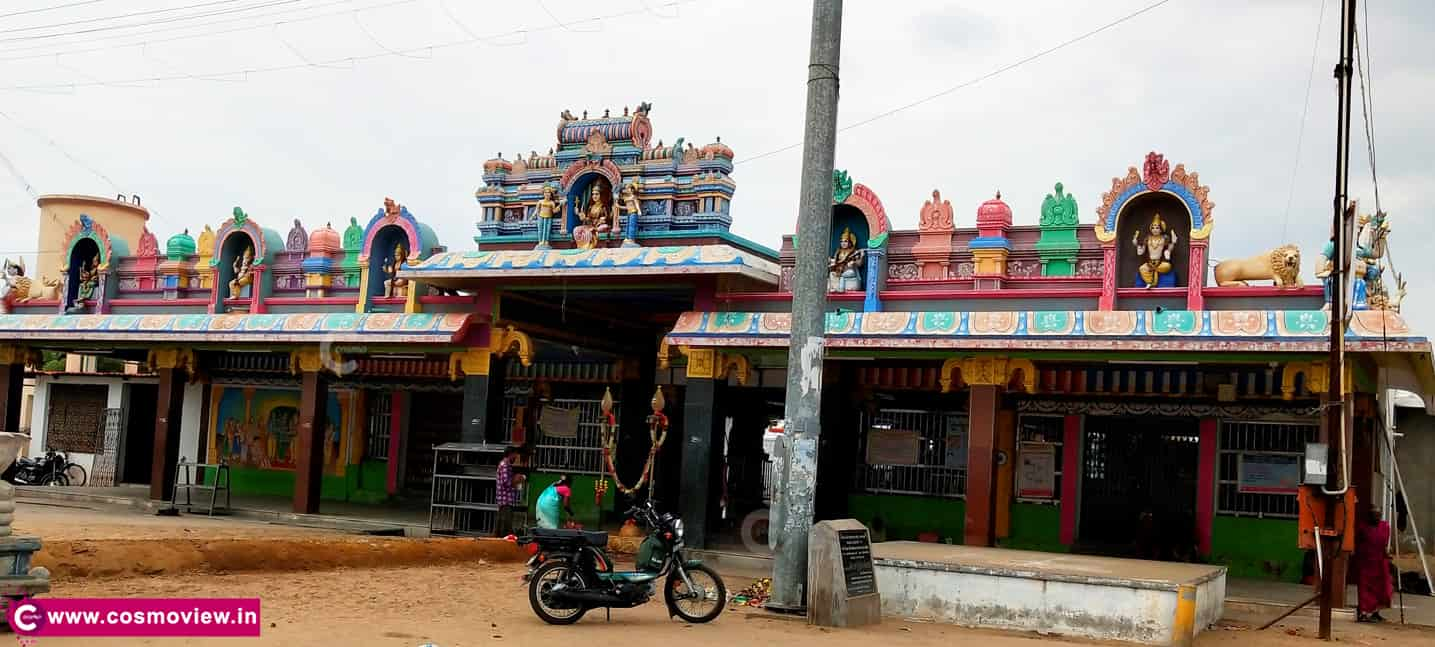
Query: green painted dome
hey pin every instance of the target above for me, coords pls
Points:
(179, 246)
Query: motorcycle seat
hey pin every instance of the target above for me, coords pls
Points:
(593, 538)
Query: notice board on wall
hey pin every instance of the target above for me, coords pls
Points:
(1036, 471)
(893, 447)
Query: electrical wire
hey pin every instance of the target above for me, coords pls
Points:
(966, 84)
(142, 34)
(522, 32)
(173, 19)
(1300, 133)
(36, 10)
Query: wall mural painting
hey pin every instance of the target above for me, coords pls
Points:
(258, 428)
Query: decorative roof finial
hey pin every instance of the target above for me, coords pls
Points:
(625, 111)
(585, 114)
(999, 194)
(605, 113)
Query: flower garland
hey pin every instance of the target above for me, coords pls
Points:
(657, 434)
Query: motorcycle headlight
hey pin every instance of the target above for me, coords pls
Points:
(678, 528)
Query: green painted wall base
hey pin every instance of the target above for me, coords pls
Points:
(1035, 527)
(585, 510)
(1257, 548)
(905, 517)
(363, 483)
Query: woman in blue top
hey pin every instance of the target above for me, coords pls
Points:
(553, 502)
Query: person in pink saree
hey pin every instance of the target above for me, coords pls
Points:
(1372, 564)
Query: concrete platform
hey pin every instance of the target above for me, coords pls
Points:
(1153, 603)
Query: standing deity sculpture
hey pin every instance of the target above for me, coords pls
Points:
(845, 266)
(1155, 251)
(393, 285)
(243, 273)
(548, 207)
(631, 208)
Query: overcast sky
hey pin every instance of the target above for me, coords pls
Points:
(1219, 85)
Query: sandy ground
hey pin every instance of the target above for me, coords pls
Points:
(102, 541)
(325, 588)
(487, 605)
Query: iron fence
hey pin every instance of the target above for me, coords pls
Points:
(1277, 446)
(582, 454)
(940, 466)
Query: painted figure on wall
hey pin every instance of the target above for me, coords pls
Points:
(548, 207)
(1155, 252)
(257, 428)
(393, 285)
(845, 266)
(243, 273)
(89, 279)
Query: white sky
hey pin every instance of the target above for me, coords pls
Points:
(1216, 84)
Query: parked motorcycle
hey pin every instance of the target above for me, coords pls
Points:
(576, 574)
(54, 468)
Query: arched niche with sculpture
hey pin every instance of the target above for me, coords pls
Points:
(89, 250)
(392, 239)
(857, 250)
(591, 191)
(242, 250)
(1154, 225)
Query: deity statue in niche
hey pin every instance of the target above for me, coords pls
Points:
(549, 206)
(1155, 250)
(595, 215)
(393, 285)
(89, 279)
(243, 273)
(845, 267)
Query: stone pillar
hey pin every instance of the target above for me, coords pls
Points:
(980, 527)
(168, 415)
(309, 455)
(475, 408)
(876, 278)
(1071, 471)
(493, 431)
(696, 440)
(12, 384)
(1005, 471)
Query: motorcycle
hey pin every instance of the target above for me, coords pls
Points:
(52, 469)
(576, 574)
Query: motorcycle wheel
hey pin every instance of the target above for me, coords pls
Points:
(686, 604)
(75, 475)
(543, 580)
(53, 478)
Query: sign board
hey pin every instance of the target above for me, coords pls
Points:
(857, 570)
(956, 445)
(559, 423)
(1268, 474)
(1036, 471)
(841, 575)
(893, 447)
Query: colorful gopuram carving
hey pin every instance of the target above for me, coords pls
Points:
(605, 185)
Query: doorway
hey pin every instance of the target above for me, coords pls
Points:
(137, 455)
(1138, 487)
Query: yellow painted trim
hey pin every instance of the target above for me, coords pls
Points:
(733, 364)
(510, 339)
(363, 305)
(988, 371)
(411, 304)
(474, 361)
(1183, 626)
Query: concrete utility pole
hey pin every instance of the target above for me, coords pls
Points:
(809, 319)
(1335, 428)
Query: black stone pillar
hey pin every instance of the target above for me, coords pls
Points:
(493, 430)
(475, 409)
(696, 441)
(309, 456)
(12, 398)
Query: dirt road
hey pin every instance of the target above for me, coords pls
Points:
(465, 602)
(486, 605)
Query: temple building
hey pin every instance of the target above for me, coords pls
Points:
(1070, 385)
